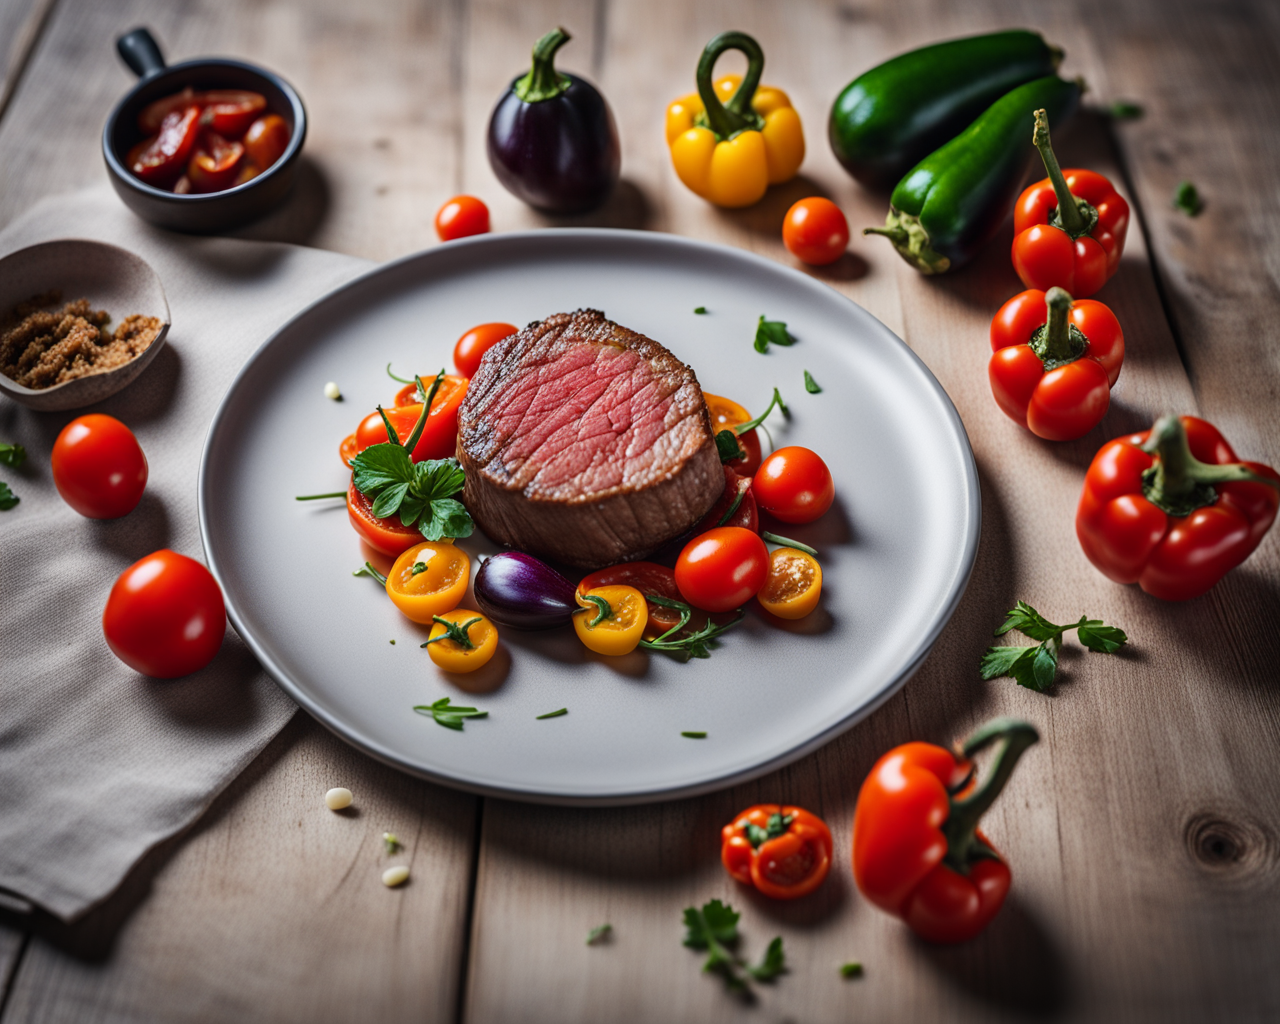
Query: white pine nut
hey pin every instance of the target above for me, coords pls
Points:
(395, 876)
(337, 799)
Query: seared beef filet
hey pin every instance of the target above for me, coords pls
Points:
(586, 443)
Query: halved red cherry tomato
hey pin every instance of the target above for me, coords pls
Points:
(266, 140)
(214, 164)
(165, 616)
(726, 413)
(98, 467)
(794, 485)
(439, 438)
(164, 157)
(389, 535)
(815, 231)
(785, 852)
(744, 515)
(229, 112)
(722, 569)
(476, 342)
(153, 114)
(462, 216)
(646, 577)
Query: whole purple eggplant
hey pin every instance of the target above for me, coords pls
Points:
(552, 140)
(515, 589)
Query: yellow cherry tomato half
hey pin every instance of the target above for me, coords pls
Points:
(429, 579)
(462, 640)
(794, 584)
(611, 619)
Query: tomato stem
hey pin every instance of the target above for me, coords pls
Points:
(603, 609)
(1074, 216)
(1015, 738)
(737, 116)
(1179, 483)
(542, 81)
(455, 631)
(1059, 341)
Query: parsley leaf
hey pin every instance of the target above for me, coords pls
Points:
(811, 385)
(700, 310)
(1186, 197)
(771, 332)
(714, 928)
(1125, 110)
(599, 934)
(420, 493)
(447, 714)
(7, 498)
(1035, 667)
(12, 455)
(728, 446)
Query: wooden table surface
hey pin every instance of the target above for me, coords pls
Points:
(1144, 831)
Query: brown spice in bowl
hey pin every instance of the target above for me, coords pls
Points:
(41, 346)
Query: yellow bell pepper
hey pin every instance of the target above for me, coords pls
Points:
(732, 139)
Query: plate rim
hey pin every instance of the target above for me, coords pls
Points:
(624, 236)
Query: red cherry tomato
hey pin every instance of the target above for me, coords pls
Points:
(476, 342)
(815, 231)
(165, 616)
(98, 467)
(266, 140)
(460, 217)
(722, 569)
(215, 164)
(439, 438)
(229, 112)
(794, 485)
(160, 160)
(389, 535)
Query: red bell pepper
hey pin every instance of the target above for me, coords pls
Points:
(917, 850)
(1173, 509)
(1069, 228)
(1054, 362)
(784, 852)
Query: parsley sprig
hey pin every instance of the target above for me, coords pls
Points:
(771, 332)
(714, 928)
(12, 455)
(1035, 667)
(7, 498)
(449, 715)
(695, 644)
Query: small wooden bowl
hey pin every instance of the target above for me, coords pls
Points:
(110, 278)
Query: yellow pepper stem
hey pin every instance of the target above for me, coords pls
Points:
(728, 120)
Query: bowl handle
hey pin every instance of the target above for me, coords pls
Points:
(141, 52)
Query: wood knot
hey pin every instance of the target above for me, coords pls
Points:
(1235, 847)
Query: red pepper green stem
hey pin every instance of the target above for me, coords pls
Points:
(543, 81)
(728, 120)
(1179, 483)
(1059, 341)
(1015, 738)
(1075, 216)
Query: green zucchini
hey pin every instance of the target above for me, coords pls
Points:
(955, 200)
(889, 118)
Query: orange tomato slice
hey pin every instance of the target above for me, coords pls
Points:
(428, 579)
(452, 656)
(794, 584)
(725, 414)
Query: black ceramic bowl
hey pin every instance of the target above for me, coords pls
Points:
(213, 211)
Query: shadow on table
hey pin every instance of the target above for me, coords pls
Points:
(1014, 965)
(301, 215)
(627, 207)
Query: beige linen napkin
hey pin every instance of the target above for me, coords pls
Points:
(98, 763)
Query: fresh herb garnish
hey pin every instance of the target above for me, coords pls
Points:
(771, 332)
(1125, 110)
(421, 493)
(390, 842)
(737, 502)
(787, 542)
(700, 310)
(12, 455)
(603, 609)
(455, 631)
(368, 569)
(317, 497)
(7, 498)
(448, 715)
(728, 446)
(714, 928)
(852, 969)
(742, 428)
(1186, 197)
(811, 385)
(694, 735)
(777, 825)
(554, 714)
(695, 644)
(1035, 667)
(599, 933)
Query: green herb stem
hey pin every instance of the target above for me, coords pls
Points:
(787, 542)
(318, 497)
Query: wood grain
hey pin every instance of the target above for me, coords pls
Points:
(21, 23)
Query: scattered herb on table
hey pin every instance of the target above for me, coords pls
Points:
(391, 842)
(447, 714)
(12, 455)
(1126, 110)
(393, 643)
(555, 714)
(714, 928)
(811, 385)
(7, 498)
(771, 332)
(369, 569)
(599, 934)
(694, 735)
(1186, 197)
(853, 969)
(1035, 667)
(700, 310)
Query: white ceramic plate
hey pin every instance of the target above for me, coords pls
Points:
(896, 550)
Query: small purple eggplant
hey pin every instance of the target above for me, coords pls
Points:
(518, 590)
(552, 139)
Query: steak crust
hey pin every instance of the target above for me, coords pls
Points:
(586, 443)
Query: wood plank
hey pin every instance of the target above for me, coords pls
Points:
(272, 908)
(21, 23)
(1125, 904)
